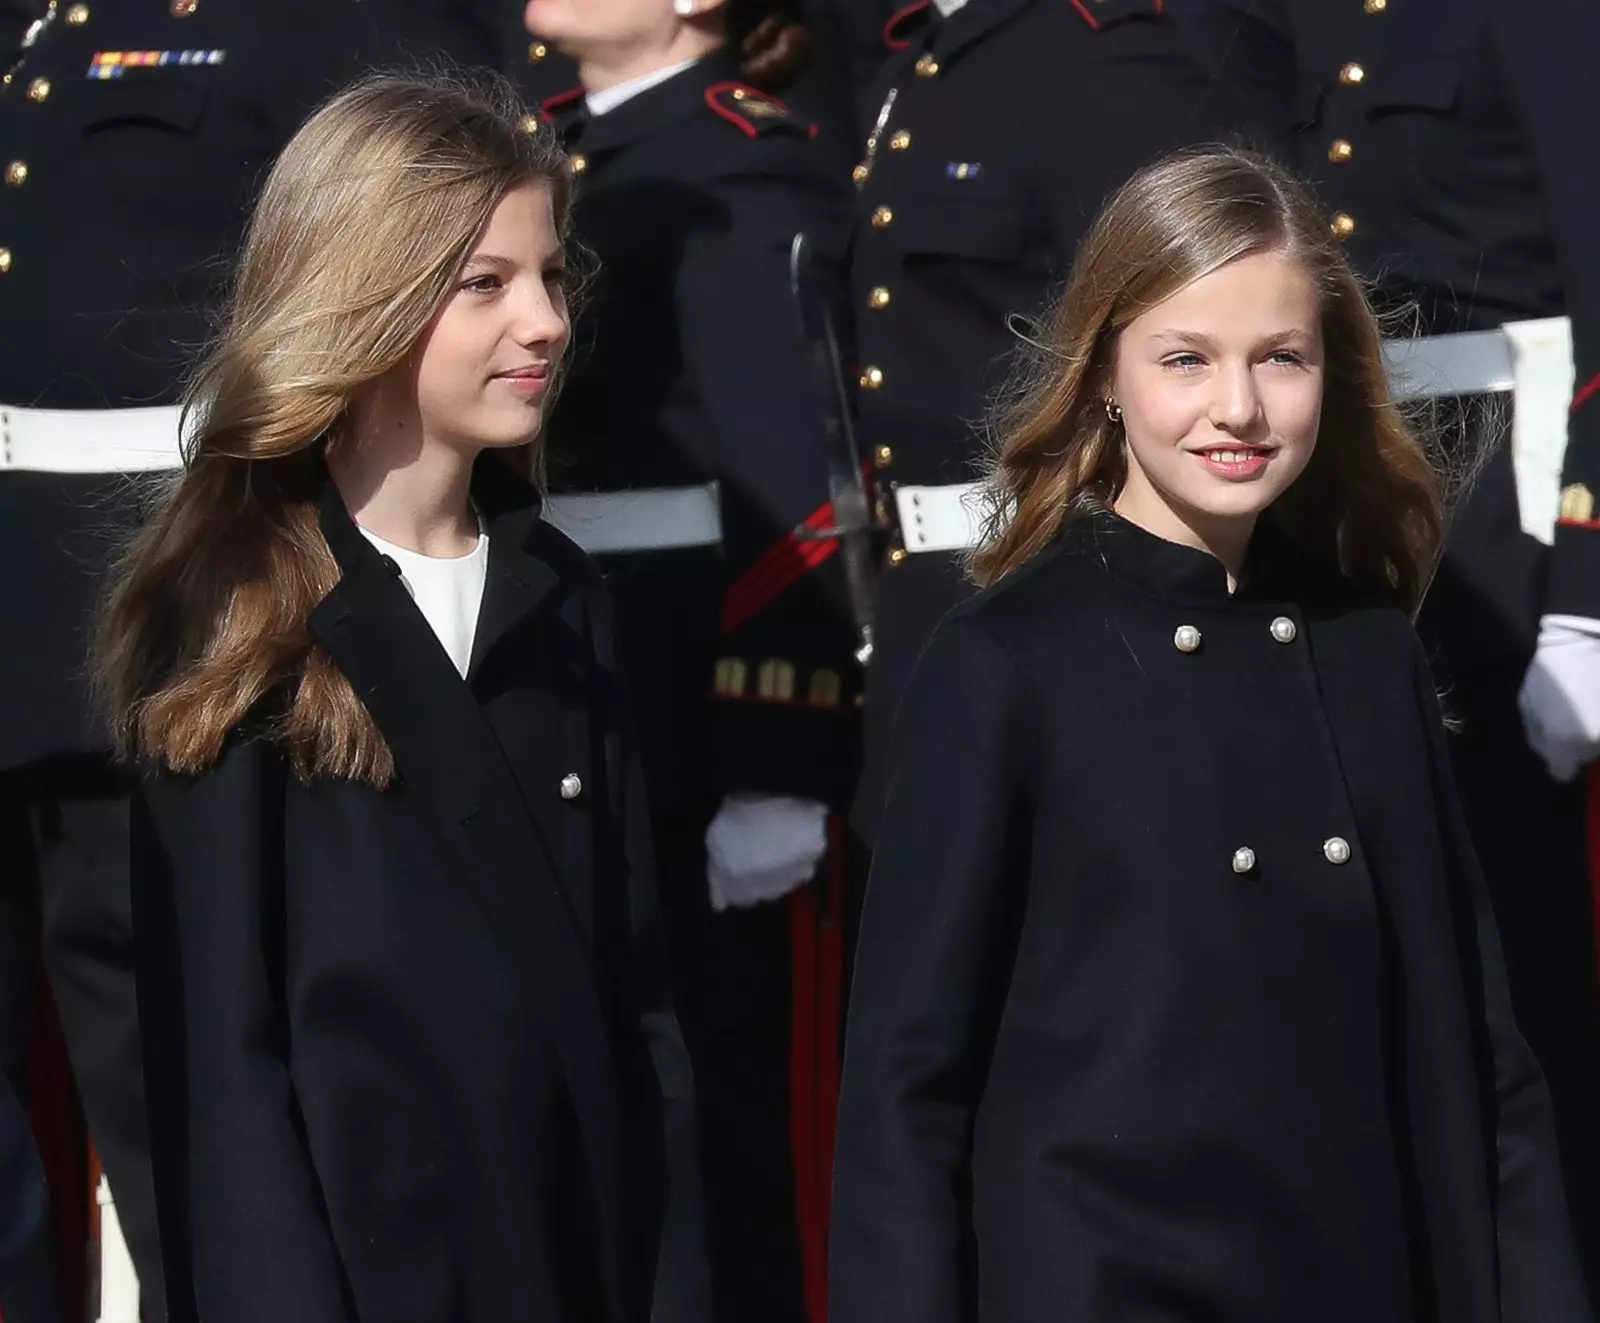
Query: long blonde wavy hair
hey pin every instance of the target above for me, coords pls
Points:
(360, 229)
(1368, 500)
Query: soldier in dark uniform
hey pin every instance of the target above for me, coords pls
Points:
(999, 127)
(1449, 141)
(134, 135)
(690, 393)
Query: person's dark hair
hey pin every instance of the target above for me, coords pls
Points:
(771, 41)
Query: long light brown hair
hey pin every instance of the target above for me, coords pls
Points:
(353, 246)
(1368, 500)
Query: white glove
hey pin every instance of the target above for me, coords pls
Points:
(759, 848)
(1560, 698)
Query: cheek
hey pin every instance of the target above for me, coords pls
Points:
(1158, 410)
(1294, 411)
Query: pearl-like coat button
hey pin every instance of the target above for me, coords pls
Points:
(571, 786)
(1337, 850)
(1187, 639)
(1244, 859)
(1283, 629)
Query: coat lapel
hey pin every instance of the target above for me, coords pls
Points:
(449, 758)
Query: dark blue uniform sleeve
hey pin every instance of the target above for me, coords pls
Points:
(783, 722)
(245, 1235)
(1550, 50)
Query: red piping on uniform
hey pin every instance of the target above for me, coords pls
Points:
(803, 1096)
(733, 116)
(1590, 389)
(1593, 785)
(1087, 17)
(551, 104)
(893, 42)
(782, 566)
(1578, 523)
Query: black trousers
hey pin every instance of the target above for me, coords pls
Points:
(732, 981)
(64, 863)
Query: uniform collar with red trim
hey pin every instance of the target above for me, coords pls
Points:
(654, 110)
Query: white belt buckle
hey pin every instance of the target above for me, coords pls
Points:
(944, 518)
(91, 440)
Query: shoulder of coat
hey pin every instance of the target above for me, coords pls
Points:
(1102, 14)
(753, 112)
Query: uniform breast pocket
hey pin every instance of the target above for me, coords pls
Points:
(972, 229)
(145, 104)
(1420, 86)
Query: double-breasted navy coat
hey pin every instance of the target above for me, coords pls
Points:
(410, 1052)
(1178, 995)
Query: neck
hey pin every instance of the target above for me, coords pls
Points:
(604, 68)
(1226, 537)
(408, 490)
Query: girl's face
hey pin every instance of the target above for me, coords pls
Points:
(488, 361)
(1220, 388)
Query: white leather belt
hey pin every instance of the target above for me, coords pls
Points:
(643, 519)
(90, 440)
(939, 518)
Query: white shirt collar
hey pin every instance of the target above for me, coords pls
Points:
(948, 7)
(611, 97)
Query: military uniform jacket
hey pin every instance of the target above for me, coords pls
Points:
(1178, 993)
(688, 367)
(1449, 140)
(1009, 124)
(410, 1054)
(135, 133)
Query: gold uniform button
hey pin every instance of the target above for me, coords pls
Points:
(898, 557)
(183, 8)
(871, 378)
(77, 16)
(1343, 225)
(883, 457)
(5, 260)
(1341, 150)
(580, 163)
(878, 300)
(927, 67)
(860, 173)
(1376, 6)
(1187, 639)
(900, 141)
(1336, 850)
(39, 91)
(17, 174)
(1352, 74)
(530, 124)
(882, 218)
(537, 52)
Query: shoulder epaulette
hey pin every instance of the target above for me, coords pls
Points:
(753, 111)
(897, 31)
(1100, 14)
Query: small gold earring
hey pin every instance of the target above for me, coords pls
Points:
(1113, 411)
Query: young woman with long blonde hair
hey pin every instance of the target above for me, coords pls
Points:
(408, 1040)
(1178, 995)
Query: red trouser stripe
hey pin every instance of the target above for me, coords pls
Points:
(780, 568)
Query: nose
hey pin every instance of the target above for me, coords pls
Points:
(1235, 400)
(539, 315)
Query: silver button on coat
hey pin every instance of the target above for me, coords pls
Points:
(1337, 850)
(1187, 639)
(571, 786)
(1244, 859)
(1283, 629)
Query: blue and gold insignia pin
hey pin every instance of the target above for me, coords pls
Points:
(114, 64)
(963, 169)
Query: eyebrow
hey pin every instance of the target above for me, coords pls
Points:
(1200, 340)
(494, 260)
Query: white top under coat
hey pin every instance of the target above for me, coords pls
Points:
(610, 98)
(448, 592)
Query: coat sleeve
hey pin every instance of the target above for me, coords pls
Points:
(245, 1234)
(1540, 1280)
(1550, 50)
(932, 968)
(676, 1224)
(780, 724)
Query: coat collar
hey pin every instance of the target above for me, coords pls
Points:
(972, 23)
(655, 110)
(1274, 569)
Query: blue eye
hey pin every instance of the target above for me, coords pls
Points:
(1288, 357)
(1183, 362)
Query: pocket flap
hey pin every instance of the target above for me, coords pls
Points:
(1433, 85)
(151, 99)
(983, 229)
